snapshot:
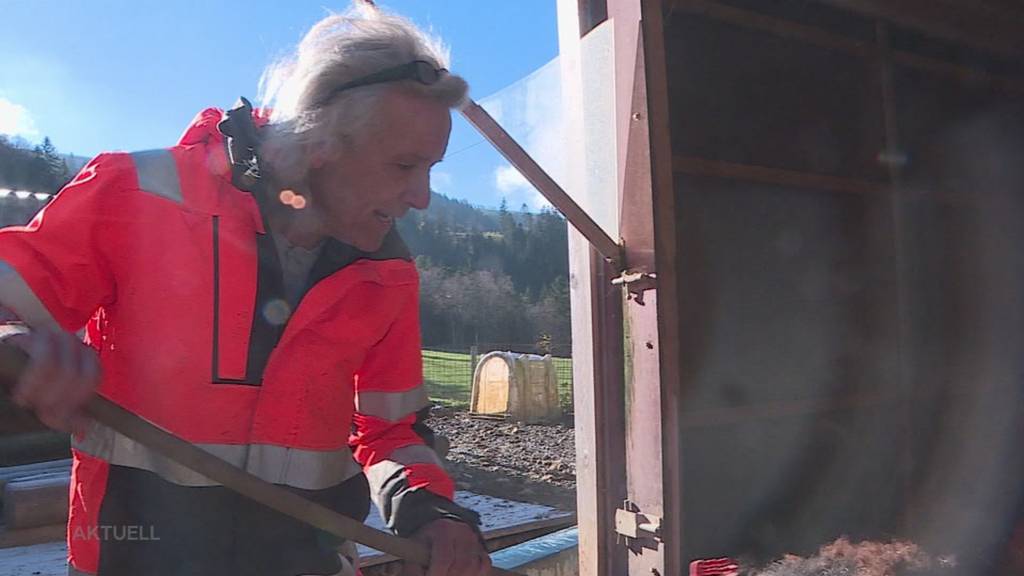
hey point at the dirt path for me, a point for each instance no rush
(528, 463)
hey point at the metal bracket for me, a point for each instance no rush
(634, 527)
(637, 283)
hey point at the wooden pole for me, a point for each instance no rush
(12, 362)
(552, 192)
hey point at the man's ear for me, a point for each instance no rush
(320, 155)
(317, 159)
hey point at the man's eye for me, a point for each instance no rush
(405, 166)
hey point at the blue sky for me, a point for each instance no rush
(129, 75)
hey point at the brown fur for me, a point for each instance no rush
(843, 558)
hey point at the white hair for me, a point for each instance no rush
(307, 119)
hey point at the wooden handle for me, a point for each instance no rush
(13, 361)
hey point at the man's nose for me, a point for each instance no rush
(418, 195)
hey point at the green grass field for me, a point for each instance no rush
(449, 378)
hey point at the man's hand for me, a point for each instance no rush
(455, 550)
(61, 376)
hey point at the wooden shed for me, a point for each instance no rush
(818, 219)
(523, 387)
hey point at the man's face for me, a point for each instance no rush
(384, 173)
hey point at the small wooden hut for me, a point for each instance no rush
(521, 386)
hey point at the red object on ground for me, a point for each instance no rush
(714, 567)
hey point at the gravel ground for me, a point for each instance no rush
(524, 462)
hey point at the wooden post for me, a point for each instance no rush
(474, 357)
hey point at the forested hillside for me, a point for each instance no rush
(34, 168)
(491, 277)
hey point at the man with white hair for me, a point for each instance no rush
(246, 290)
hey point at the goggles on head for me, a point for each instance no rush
(420, 70)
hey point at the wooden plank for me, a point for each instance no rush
(775, 410)
(39, 475)
(33, 447)
(745, 97)
(30, 537)
(815, 36)
(776, 176)
(498, 539)
(724, 417)
(1013, 9)
(957, 72)
(598, 396)
(963, 24)
(37, 501)
(665, 243)
(502, 538)
(12, 472)
(776, 26)
(647, 464)
(892, 228)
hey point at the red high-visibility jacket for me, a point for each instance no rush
(158, 253)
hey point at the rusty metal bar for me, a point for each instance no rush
(540, 180)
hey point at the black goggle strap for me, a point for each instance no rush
(420, 70)
(242, 145)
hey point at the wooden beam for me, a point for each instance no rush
(21, 448)
(672, 369)
(39, 500)
(832, 41)
(498, 539)
(733, 415)
(598, 395)
(963, 24)
(598, 400)
(775, 176)
(528, 167)
(956, 72)
(13, 472)
(888, 227)
(1005, 9)
(775, 26)
(702, 167)
(10, 538)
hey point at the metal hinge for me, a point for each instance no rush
(636, 529)
(637, 283)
